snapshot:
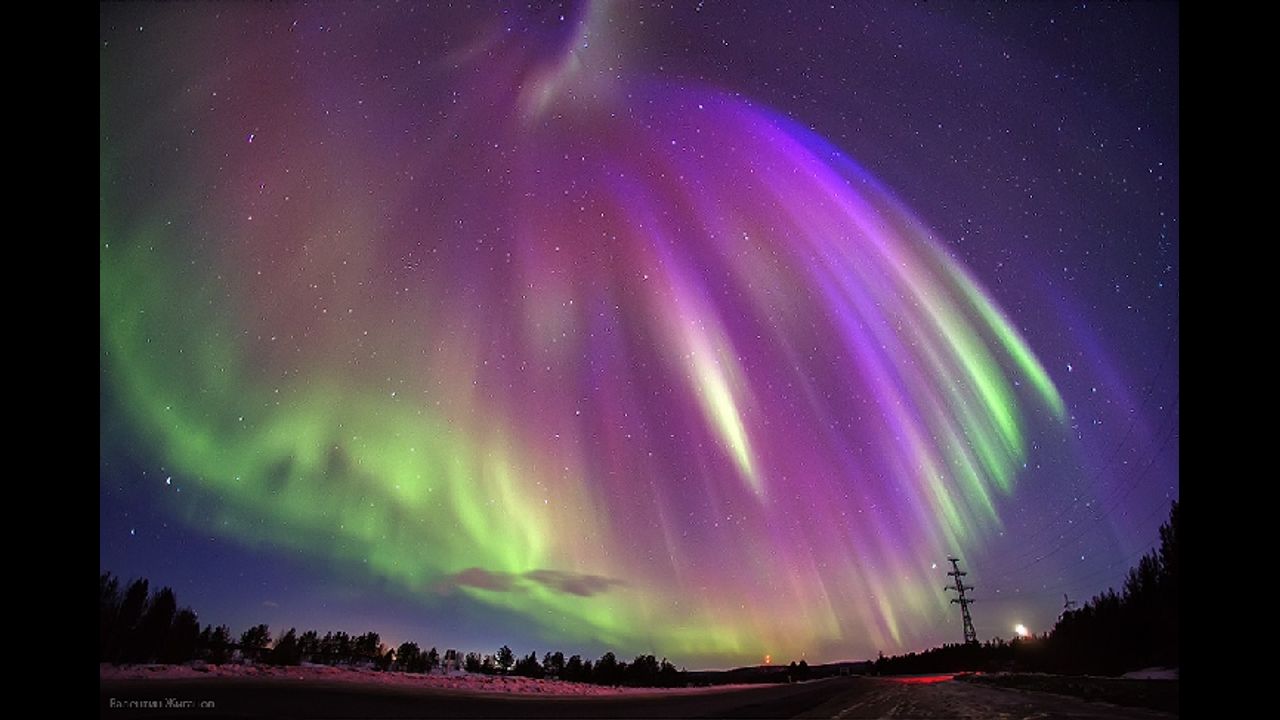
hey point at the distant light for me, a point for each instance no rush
(1021, 630)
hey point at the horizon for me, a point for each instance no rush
(392, 642)
(701, 332)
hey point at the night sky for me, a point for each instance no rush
(706, 329)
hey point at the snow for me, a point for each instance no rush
(459, 682)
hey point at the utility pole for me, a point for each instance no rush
(970, 637)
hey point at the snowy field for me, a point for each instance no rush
(461, 682)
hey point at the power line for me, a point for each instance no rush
(1084, 583)
(1112, 457)
(1110, 501)
(1115, 503)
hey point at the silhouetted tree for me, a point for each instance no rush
(572, 669)
(220, 645)
(431, 660)
(607, 670)
(505, 659)
(643, 671)
(668, 676)
(153, 630)
(309, 645)
(472, 663)
(529, 666)
(286, 650)
(132, 608)
(553, 664)
(1169, 550)
(328, 649)
(108, 610)
(1167, 619)
(409, 657)
(365, 646)
(339, 649)
(254, 640)
(183, 638)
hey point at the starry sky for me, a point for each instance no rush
(706, 329)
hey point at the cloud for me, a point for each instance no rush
(573, 583)
(270, 604)
(581, 584)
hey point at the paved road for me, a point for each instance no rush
(832, 698)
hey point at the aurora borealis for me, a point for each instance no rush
(561, 327)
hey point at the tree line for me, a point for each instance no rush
(139, 626)
(1111, 634)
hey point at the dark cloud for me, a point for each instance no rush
(483, 579)
(571, 583)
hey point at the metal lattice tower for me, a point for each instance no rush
(970, 637)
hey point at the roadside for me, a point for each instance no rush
(1129, 692)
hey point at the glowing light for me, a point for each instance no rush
(1021, 630)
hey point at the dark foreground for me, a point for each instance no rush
(844, 697)
(1153, 694)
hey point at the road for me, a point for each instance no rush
(844, 697)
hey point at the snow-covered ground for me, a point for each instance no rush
(462, 682)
